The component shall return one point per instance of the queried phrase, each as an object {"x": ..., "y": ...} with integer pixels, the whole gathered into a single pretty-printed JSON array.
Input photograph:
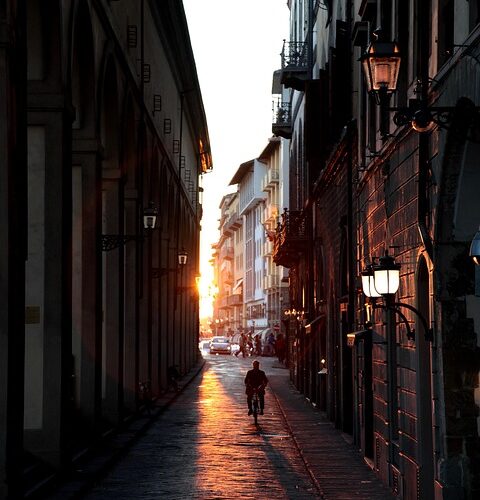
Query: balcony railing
[
  {"x": 294, "y": 55},
  {"x": 234, "y": 300},
  {"x": 233, "y": 222},
  {"x": 282, "y": 119},
  {"x": 290, "y": 238},
  {"x": 294, "y": 64}
]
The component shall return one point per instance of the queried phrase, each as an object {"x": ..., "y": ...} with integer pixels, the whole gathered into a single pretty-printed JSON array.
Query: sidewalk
[
  {"x": 336, "y": 467},
  {"x": 97, "y": 461}
]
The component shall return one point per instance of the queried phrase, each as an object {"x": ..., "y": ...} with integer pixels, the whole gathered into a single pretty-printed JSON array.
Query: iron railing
[
  {"x": 290, "y": 231},
  {"x": 294, "y": 55},
  {"x": 282, "y": 116}
]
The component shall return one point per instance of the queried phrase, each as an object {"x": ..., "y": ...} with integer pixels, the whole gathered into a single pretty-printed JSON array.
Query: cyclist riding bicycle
[{"x": 255, "y": 379}]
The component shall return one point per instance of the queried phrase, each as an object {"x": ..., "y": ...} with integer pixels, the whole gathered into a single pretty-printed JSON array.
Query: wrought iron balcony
[
  {"x": 234, "y": 300},
  {"x": 294, "y": 64},
  {"x": 290, "y": 238},
  {"x": 234, "y": 222},
  {"x": 282, "y": 119}
]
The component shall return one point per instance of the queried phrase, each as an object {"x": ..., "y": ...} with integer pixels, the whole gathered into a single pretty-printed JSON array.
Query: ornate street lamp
[
  {"x": 386, "y": 276},
  {"x": 381, "y": 66},
  {"x": 181, "y": 261},
  {"x": 182, "y": 257},
  {"x": 150, "y": 216},
  {"x": 368, "y": 284},
  {"x": 386, "y": 280},
  {"x": 112, "y": 241}
]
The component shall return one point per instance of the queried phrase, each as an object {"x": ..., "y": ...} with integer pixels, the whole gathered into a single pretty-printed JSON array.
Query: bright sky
[{"x": 237, "y": 47}]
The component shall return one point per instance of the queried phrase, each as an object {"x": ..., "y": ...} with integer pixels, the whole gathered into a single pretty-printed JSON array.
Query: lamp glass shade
[
  {"x": 182, "y": 257},
  {"x": 368, "y": 285},
  {"x": 386, "y": 276},
  {"x": 149, "y": 216},
  {"x": 381, "y": 65},
  {"x": 387, "y": 281},
  {"x": 475, "y": 248}
]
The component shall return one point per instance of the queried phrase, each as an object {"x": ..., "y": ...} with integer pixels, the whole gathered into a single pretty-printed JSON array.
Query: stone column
[
  {"x": 131, "y": 303},
  {"x": 87, "y": 278},
  {"x": 13, "y": 203},
  {"x": 111, "y": 331},
  {"x": 50, "y": 188}
]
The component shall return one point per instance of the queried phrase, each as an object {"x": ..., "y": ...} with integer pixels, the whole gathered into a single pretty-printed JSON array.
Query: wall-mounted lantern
[
  {"x": 112, "y": 241},
  {"x": 381, "y": 66},
  {"x": 385, "y": 283},
  {"x": 182, "y": 257}
]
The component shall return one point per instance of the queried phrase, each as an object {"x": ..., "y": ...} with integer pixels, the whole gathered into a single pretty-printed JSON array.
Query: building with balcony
[
  {"x": 224, "y": 266},
  {"x": 249, "y": 178},
  {"x": 366, "y": 180},
  {"x": 275, "y": 283},
  {"x": 96, "y": 127}
]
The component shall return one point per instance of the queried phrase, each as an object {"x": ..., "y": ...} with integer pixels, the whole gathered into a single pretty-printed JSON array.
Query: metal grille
[
  {"x": 157, "y": 103},
  {"x": 294, "y": 55},
  {"x": 146, "y": 73},
  {"x": 281, "y": 113},
  {"x": 132, "y": 36}
]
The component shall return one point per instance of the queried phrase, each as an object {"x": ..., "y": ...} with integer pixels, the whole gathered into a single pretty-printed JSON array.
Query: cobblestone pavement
[{"x": 206, "y": 447}]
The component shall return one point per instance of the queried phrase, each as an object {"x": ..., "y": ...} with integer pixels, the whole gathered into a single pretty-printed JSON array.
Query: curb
[{"x": 297, "y": 445}]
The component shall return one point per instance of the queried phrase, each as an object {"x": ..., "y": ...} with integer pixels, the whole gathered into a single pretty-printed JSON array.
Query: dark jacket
[{"x": 255, "y": 378}]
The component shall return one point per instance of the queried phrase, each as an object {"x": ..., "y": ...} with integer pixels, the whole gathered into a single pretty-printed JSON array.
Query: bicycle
[{"x": 255, "y": 405}]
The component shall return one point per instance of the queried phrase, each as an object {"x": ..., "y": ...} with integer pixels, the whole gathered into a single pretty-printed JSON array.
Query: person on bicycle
[{"x": 255, "y": 379}]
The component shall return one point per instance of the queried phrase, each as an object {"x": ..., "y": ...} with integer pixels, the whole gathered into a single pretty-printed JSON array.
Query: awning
[{"x": 237, "y": 284}]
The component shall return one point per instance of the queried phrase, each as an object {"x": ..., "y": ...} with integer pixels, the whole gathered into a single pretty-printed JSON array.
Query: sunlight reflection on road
[{"x": 236, "y": 458}]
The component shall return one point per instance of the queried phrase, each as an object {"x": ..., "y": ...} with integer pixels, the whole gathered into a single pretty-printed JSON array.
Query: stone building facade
[
  {"x": 101, "y": 118},
  {"x": 367, "y": 185}
]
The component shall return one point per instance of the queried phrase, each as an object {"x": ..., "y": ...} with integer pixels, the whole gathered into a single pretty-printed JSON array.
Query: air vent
[
  {"x": 146, "y": 73},
  {"x": 157, "y": 103},
  {"x": 132, "y": 36},
  {"x": 167, "y": 126}
]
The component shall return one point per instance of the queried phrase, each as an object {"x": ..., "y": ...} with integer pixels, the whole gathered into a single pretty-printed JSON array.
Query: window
[
  {"x": 403, "y": 35},
  {"x": 446, "y": 25},
  {"x": 474, "y": 13}
]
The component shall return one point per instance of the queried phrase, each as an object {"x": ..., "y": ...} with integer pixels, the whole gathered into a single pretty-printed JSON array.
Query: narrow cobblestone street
[{"x": 205, "y": 446}]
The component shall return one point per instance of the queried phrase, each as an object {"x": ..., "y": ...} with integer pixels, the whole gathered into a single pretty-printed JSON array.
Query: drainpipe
[
  {"x": 310, "y": 39},
  {"x": 351, "y": 126}
]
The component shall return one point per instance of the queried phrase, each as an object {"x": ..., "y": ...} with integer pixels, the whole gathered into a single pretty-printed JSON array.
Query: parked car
[{"x": 220, "y": 345}]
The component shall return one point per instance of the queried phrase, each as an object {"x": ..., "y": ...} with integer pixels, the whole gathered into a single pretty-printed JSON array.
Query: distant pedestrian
[
  {"x": 258, "y": 345},
  {"x": 250, "y": 344},
  {"x": 280, "y": 348},
  {"x": 242, "y": 343},
  {"x": 270, "y": 351}
]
